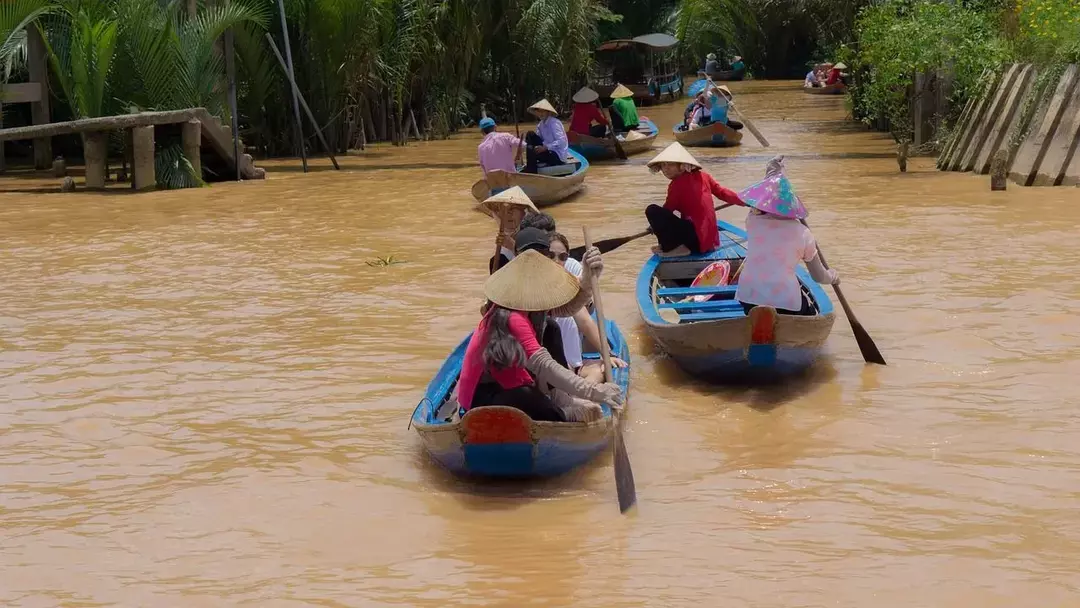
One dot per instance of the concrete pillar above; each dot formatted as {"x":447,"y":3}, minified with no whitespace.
{"x":999,"y":169}
{"x":39,"y":110}
{"x":142,"y":139}
{"x":191,"y":137}
{"x":95,"y":151}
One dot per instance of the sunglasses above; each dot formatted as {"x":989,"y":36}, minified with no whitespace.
{"x":558,"y":257}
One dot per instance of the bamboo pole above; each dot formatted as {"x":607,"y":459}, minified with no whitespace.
{"x":230,"y":75}
{"x":307,"y":110}
{"x":292,"y":78}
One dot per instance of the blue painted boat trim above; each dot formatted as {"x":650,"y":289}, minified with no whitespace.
{"x":604,"y":152}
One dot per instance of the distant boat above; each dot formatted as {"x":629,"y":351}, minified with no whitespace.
{"x":551,"y":185}
{"x":712,"y":336}
{"x":600,"y":148}
{"x":647,"y":65}
{"x":837,"y":88}
{"x":724,"y":75}
{"x":502,"y":441}
{"x":716,"y":134}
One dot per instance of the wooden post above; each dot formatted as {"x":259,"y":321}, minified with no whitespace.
{"x":292,"y":79}
{"x":95,"y":149}
{"x":142,"y":139}
{"x":999,"y":170}
{"x":39,"y":110}
{"x":191,"y":138}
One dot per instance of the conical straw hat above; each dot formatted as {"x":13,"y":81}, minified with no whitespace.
{"x":621,"y":91}
{"x":675,"y":153}
{"x":543,"y":105}
{"x":840,"y":66}
{"x":531,"y":283}
{"x":586,"y":95}
{"x":510,"y":196}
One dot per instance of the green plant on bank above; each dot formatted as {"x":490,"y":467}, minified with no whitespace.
{"x":15,"y":17}
{"x":898,"y":39}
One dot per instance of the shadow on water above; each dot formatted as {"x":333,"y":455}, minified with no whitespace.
{"x":499,"y":494}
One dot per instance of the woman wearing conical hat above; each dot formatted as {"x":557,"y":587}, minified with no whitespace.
{"x":623,"y":111}
{"x":690,"y":195}
{"x":547,"y":145}
{"x":504,"y":362}
{"x":586,"y":113}
{"x":777,"y":242}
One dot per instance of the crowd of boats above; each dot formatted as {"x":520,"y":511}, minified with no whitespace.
{"x":501,"y":406}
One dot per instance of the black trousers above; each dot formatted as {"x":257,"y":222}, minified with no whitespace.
{"x":671,"y":230}
{"x":734,"y":124}
{"x":598,"y":130}
{"x":534,"y":159}
{"x":528,"y":399}
{"x":807,"y":309}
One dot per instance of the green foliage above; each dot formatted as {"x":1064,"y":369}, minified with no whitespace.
{"x":174,"y":170}
{"x":1048,"y":31}
{"x":15,"y":17}
{"x":899,"y":38}
{"x":81,"y":48}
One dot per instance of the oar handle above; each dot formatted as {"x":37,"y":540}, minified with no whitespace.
{"x":601,"y":323}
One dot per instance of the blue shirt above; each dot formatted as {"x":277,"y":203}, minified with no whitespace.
{"x":553,"y":133}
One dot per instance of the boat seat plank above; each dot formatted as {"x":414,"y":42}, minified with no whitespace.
{"x":712,"y":316}
{"x":731,"y":251}
{"x":713,"y":305}
{"x":685,"y":292}
{"x":557,"y":170}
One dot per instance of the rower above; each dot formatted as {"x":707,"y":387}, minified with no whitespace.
{"x":624,"y":115}
{"x":586,"y":113}
{"x":547,"y":145}
{"x":498,"y":151}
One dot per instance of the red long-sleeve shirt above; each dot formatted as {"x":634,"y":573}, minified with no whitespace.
{"x":583,"y":116}
{"x":691,"y":195}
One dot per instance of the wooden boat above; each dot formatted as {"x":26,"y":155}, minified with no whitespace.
{"x":715,"y":134}
{"x":715,"y":339}
{"x":837,"y":88}
{"x":721,"y":76}
{"x":549,"y":186}
{"x":498,"y":441}
{"x":599,"y":148}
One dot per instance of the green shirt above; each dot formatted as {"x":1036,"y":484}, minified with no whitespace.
{"x":625,"y":107}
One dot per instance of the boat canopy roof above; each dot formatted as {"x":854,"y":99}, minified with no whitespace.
{"x":653,"y":42}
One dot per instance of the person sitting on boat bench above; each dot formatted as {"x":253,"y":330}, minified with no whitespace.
{"x":533,"y":219}
{"x":776,"y":241}
{"x":586,"y":113}
{"x":500,"y":151}
{"x":624,"y":115}
{"x":737,"y":64}
{"x":547,"y":145}
{"x":712,"y":66}
{"x":504,"y":364}
{"x":714,"y":108}
{"x":690,"y":193}
{"x":509,"y":208}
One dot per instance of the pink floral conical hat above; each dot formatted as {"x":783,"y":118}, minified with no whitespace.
{"x":774,"y":194}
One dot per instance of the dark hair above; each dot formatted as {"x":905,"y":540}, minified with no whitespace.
{"x":487,"y":130}
{"x":558,"y":236}
{"x":502,"y":349}
{"x":539,"y":220}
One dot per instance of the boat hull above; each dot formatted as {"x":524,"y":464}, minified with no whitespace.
{"x":715,"y":134}
{"x":724,"y":76}
{"x":503,"y":442}
{"x":601,"y":148}
{"x":832,"y":89}
{"x":716,"y":340}
{"x":543,"y":190}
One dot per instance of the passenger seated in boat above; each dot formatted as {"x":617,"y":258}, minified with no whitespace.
{"x":586,"y":113}
{"x":737,"y":64}
{"x":697,"y":111}
{"x":835,"y":74}
{"x":719,"y":99}
{"x":776,"y":241}
{"x":581,"y":324}
{"x":690,"y":193}
{"x":811,"y":80}
{"x":511,"y":208}
{"x":547,"y":145}
{"x":624,"y":115}
{"x":498,"y":151}
{"x":712,"y":66}
{"x":504,"y":363}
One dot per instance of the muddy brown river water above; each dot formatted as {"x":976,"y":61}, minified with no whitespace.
{"x":204,"y":396}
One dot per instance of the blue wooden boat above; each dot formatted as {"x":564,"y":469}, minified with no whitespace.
{"x":551,"y":185}
{"x":715,"y":134}
{"x":599,"y":148}
{"x":498,"y":441}
{"x":716,"y":339}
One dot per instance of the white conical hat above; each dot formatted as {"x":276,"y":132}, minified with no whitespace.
{"x":840,"y":66}
{"x":621,"y":91}
{"x":543,"y":105}
{"x":510,"y":196}
{"x":531,"y":283}
{"x":675,"y":153}
{"x":586,"y":95}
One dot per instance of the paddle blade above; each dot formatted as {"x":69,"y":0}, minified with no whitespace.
{"x":624,"y":475}
{"x":607,"y":245}
{"x":869,"y":349}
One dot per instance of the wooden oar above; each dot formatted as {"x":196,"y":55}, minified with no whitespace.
{"x":624,"y":475}
{"x":869,"y":350}
{"x":619,"y":152}
{"x":749,"y":123}
{"x":607,"y":245}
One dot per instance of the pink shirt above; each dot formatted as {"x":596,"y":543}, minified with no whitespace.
{"x":497,"y":152}
{"x":472,"y":368}
{"x":775,"y":247}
